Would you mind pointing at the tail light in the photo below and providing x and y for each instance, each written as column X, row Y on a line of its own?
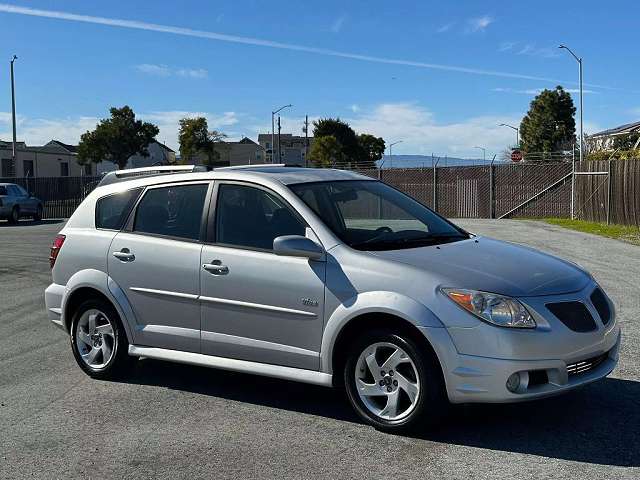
column 55, row 249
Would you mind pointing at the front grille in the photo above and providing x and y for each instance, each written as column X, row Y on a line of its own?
column 585, row 365
column 602, row 306
column 574, row 315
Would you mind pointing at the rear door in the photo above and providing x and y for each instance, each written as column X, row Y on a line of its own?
column 156, row 261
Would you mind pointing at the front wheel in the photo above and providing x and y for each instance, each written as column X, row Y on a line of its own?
column 392, row 383
column 98, row 341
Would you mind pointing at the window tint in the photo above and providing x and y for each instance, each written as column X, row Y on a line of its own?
column 251, row 217
column 174, row 211
column 112, row 211
column 3, row 190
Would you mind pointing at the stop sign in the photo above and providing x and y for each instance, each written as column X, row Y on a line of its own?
column 516, row 156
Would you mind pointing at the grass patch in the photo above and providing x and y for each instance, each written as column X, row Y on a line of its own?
column 626, row 233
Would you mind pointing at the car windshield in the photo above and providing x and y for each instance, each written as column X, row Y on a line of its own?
column 370, row 215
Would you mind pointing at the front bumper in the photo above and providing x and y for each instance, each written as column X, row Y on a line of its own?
column 549, row 360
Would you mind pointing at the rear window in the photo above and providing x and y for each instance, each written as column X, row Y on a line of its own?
column 112, row 210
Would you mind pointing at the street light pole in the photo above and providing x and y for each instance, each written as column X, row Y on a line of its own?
column 517, row 132
column 273, row 132
column 484, row 153
column 13, row 114
column 391, row 152
column 579, row 60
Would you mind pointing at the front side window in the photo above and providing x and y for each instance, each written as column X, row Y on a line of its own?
column 21, row 191
column 173, row 211
column 113, row 210
column 252, row 218
column 369, row 215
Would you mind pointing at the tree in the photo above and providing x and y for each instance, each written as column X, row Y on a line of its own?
column 195, row 138
column 117, row 138
column 343, row 134
column 549, row 125
column 628, row 141
column 372, row 149
column 356, row 150
column 325, row 152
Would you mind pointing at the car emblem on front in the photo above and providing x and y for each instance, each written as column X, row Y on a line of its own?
column 309, row 302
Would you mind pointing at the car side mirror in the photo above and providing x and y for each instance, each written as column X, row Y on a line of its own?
column 297, row 246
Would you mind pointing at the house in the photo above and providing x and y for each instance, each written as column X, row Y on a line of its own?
column 54, row 159
column 604, row 140
column 293, row 148
column 242, row 152
column 159, row 154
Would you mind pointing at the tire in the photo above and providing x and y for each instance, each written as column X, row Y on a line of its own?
column 98, row 340
column 416, row 387
column 15, row 216
column 38, row 215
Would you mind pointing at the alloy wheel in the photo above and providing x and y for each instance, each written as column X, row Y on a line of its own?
column 387, row 381
column 95, row 339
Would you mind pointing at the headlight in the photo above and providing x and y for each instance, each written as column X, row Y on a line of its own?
column 497, row 309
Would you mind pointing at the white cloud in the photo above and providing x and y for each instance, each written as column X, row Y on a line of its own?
column 422, row 133
column 533, row 51
column 536, row 91
column 479, row 24
column 446, row 27
column 38, row 131
column 354, row 108
column 507, row 46
column 338, row 23
column 167, row 71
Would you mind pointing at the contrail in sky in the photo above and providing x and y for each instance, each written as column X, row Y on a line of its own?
column 154, row 27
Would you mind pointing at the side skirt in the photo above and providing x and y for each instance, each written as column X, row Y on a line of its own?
column 267, row 370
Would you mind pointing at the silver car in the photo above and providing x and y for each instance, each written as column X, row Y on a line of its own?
column 16, row 202
column 326, row 277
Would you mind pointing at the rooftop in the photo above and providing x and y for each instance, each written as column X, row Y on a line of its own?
column 622, row 129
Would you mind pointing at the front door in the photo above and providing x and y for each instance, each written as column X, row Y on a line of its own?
column 156, row 262
column 256, row 305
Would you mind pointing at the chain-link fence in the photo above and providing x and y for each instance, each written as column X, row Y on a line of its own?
column 610, row 191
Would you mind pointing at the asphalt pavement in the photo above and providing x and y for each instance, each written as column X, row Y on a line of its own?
column 177, row 421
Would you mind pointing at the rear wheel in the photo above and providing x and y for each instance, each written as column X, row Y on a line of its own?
column 392, row 383
column 98, row 341
column 14, row 217
column 38, row 215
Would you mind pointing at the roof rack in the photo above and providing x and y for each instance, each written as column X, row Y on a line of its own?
column 134, row 173
column 255, row 165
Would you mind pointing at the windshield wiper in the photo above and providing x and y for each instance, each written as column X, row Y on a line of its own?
column 430, row 239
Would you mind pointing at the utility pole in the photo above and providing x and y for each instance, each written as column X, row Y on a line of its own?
column 273, row 113
column 306, row 140
column 13, row 114
column 391, row 152
column 279, row 154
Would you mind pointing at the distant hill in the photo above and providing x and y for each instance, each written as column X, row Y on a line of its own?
column 418, row 161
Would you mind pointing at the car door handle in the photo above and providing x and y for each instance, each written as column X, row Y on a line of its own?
column 124, row 255
column 216, row 268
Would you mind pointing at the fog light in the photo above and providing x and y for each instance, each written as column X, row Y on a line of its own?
column 513, row 382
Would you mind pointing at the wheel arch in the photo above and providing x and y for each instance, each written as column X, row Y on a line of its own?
column 365, row 312
column 94, row 283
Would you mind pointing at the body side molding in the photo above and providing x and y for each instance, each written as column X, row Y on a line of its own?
column 268, row 370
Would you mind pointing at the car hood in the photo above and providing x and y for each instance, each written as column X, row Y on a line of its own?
column 490, row 265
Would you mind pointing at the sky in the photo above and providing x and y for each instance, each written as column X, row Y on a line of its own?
column 438, row 76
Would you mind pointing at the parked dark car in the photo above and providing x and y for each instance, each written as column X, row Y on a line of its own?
column 16, row 202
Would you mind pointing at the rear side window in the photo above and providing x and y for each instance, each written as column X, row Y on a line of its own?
column 174, row 211
column 112, row 210
column 3, row 190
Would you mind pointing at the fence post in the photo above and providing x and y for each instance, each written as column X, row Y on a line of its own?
column 573, row 180
column 609, row 192
column 491, row 187
column 435, row 185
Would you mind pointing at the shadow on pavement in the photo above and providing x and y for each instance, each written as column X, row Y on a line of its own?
column 28, row 222
column 597, row 424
